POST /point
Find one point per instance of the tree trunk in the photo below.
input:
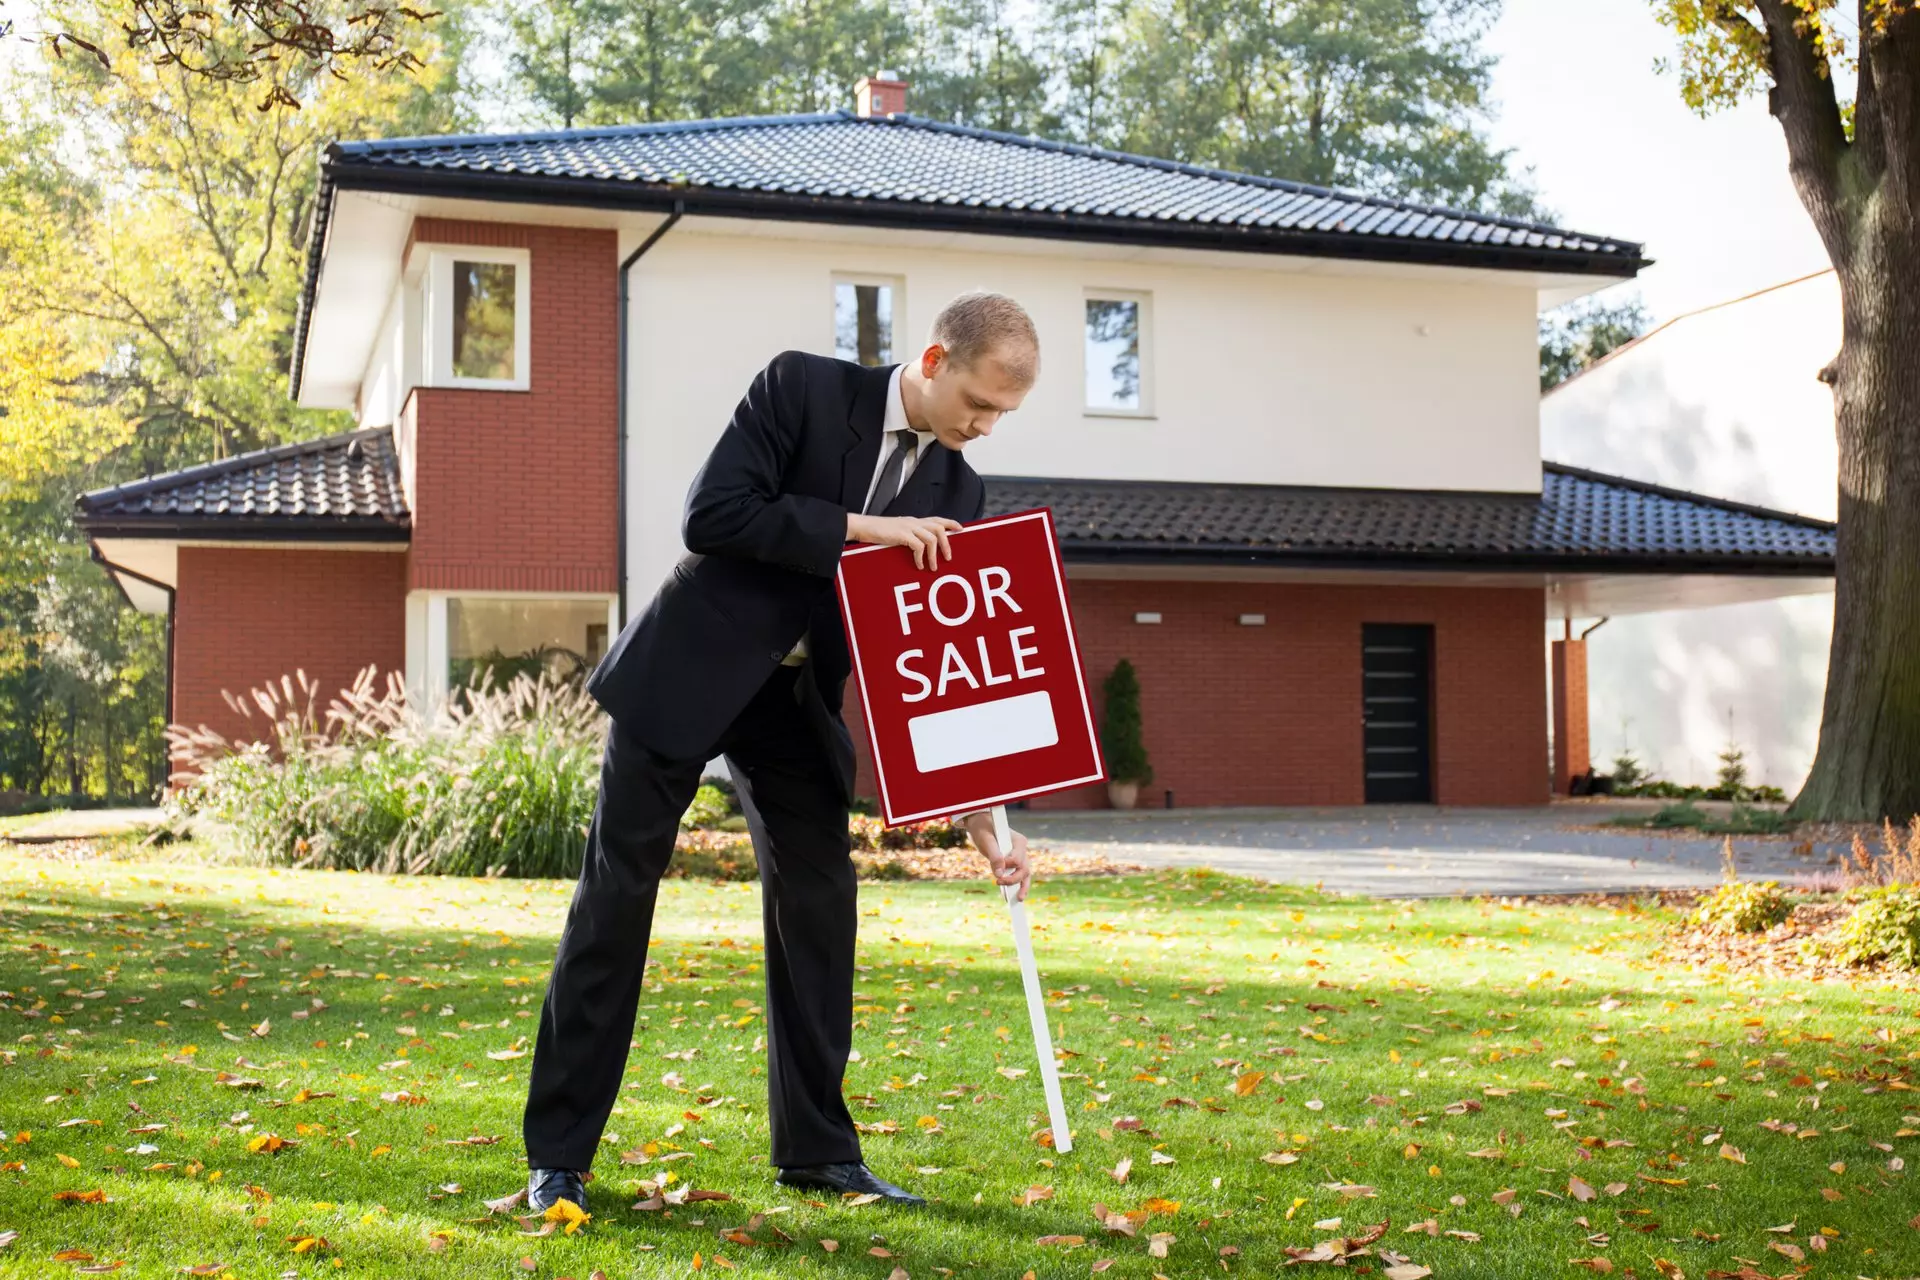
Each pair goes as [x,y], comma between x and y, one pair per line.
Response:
[1867,765]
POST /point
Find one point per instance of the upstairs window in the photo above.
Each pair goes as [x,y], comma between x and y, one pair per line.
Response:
[1115,348]
[483,320]
[477,318]
[864,308]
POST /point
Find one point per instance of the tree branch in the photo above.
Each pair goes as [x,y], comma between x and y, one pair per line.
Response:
[1886,114]
[1804,102]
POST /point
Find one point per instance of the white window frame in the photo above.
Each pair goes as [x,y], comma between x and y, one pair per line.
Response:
[428,681]
[1144,297]
[899,286]
[439,315]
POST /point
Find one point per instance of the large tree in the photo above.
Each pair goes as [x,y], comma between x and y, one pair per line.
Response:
[153,225]
[1844,83]
[240,41]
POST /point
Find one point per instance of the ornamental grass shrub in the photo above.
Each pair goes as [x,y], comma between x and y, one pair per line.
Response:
[498,782]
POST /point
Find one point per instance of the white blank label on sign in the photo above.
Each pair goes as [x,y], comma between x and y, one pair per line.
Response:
[982,731]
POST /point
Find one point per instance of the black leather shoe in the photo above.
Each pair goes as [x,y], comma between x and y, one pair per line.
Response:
[853,1176]
[545,1186]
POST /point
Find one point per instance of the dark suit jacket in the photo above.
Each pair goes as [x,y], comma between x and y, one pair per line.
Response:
[764,524]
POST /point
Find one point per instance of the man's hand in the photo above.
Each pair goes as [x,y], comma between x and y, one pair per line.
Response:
[1007,868]
[925,535]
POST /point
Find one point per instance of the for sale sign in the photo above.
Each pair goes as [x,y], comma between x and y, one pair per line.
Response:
[968,670]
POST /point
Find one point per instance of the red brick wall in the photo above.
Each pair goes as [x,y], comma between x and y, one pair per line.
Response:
[1571,755]
[518,490]
[1270,715]
[245,616]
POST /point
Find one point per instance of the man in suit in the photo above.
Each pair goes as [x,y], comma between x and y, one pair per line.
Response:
[741,653]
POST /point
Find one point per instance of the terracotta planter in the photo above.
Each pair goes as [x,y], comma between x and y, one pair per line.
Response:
[1121,795]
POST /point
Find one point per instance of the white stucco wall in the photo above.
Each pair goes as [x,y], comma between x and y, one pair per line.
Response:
[1266,370]
[1723,401]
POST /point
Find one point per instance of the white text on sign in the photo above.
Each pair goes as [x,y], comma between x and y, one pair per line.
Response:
[951,601]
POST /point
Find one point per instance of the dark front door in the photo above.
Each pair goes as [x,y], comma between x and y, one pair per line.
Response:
[1396,666]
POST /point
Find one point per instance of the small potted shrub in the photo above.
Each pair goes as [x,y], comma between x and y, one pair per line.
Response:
[1120,741]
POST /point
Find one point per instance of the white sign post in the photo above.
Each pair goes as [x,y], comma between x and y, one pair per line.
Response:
[1036,1000]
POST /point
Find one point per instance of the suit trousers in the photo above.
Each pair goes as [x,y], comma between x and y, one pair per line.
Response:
[797,816]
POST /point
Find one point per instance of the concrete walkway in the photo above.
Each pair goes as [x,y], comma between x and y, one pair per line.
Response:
[1422,851]
[76,824]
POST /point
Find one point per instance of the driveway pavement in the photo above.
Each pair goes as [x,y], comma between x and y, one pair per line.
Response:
[1421,851]
[1404,851]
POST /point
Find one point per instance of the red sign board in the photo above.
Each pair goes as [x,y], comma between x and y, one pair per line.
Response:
[968,671]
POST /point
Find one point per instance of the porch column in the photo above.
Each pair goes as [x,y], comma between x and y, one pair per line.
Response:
[1570,752]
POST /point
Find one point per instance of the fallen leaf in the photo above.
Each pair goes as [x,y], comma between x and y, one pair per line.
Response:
[1601,1265]
[1072,1242]
[95,1196]
[507,1203]
[567,1212]
[1407,1271]
[1579,1190]
[1119,1172]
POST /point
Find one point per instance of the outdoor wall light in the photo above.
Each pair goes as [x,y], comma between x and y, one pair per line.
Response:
[1253,619]
[1146,617]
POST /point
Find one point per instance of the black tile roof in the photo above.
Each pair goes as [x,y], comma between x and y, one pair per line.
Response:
[903,170]
[342,487]
[348,487]
[1581,520]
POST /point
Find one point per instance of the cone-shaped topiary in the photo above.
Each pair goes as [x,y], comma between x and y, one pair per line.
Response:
[1120,741]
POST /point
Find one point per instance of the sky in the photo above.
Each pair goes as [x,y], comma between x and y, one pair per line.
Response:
[1614,151]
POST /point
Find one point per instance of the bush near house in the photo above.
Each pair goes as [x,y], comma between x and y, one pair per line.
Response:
[1632,778]
[501,782]
[1122,745]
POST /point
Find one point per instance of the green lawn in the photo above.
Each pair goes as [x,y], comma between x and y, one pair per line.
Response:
[1517,1086]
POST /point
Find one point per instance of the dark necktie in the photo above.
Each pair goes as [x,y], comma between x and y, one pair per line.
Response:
[889,483]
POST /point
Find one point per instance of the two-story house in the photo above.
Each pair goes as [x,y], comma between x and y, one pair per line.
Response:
[1290,435]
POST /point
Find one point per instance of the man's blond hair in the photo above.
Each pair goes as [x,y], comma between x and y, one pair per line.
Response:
[980,322]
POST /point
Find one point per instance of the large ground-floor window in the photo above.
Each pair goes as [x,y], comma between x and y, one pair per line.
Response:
[455,640]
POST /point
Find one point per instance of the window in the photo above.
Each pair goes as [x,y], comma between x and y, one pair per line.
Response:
[863,319]
[508,635]
[477,317]
[483,319]
[1116,349]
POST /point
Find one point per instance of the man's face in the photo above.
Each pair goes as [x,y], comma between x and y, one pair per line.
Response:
[964,403]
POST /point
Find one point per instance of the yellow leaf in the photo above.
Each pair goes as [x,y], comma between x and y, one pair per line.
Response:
[566,1211]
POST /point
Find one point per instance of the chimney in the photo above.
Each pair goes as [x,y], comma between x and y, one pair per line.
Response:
[880,95]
